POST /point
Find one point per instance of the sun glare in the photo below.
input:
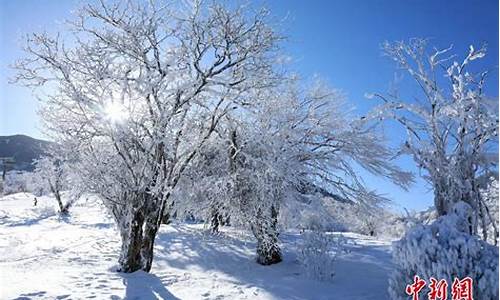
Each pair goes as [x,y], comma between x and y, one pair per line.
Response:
[115,112]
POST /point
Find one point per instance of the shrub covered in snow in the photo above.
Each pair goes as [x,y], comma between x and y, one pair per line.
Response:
[444,250]
[311,213]
[395,226]
[372,221]
[15,182]
[318,253]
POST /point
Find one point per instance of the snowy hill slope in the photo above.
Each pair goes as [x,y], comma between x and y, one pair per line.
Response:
[43,256]
[22,149]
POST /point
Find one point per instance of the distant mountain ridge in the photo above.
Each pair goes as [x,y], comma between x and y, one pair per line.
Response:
[23,149]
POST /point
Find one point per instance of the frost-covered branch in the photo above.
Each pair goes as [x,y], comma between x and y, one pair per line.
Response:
[451,128]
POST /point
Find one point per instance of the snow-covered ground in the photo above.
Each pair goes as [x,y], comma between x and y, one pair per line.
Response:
[44,256]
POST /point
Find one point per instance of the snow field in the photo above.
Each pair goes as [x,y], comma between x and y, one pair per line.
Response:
[44,256]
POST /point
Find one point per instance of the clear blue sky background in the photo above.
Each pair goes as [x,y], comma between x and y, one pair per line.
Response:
[338,40]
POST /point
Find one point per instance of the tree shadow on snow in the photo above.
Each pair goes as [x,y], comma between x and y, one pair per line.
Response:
[224,254]
[142,285]
[32,221]
[231,256]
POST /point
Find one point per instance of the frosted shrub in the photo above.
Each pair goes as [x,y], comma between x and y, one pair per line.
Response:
[15,182]
[444,250]
[393,228]
[318,253]
[319,220]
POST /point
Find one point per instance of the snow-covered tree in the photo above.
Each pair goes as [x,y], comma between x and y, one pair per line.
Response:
[489,196]
[445,250]
[137,90]
[325,146]
[15,182]
[328,143]
[293,143]
[450,125]
[318,253]
[54,174]
[241,182]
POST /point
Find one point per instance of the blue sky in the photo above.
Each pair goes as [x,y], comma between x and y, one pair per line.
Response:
[337,40]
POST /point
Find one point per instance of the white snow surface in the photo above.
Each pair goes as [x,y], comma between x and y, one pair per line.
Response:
[45,256]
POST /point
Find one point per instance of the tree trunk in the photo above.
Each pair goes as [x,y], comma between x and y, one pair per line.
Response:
[153,219]
[62,209]
[445,198]
[147,249]
[268,251]
[274,219]
[264,226]
[266,233]
[214,221]
[132,239]
[57,195]
[138,235]
[217,219]
[440,202]
[167,214]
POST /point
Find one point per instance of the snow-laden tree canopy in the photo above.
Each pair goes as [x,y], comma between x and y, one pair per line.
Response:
[147,93]
[296,142]
[452,125]
[138,88]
